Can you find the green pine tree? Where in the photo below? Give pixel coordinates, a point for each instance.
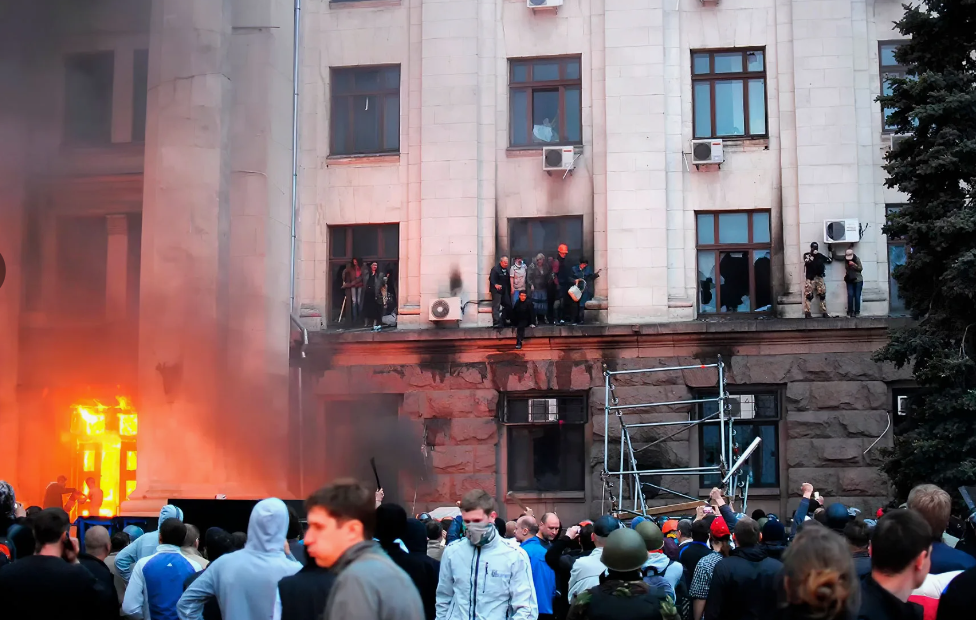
(935, 106)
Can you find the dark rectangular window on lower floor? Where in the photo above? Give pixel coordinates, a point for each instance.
(546, 442)
(755, 414)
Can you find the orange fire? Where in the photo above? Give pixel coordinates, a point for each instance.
(105, 442)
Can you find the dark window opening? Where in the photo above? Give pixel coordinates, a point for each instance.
(897, 256)
(545, 97)
(82, 257)
(88, 98)
(531, 236)
(729, 93)
(734, 262)
(546, 442)
(140, 94)
(366, 110)
(380, 243)
(756, 414)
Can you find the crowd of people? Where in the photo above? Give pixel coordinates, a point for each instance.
(552, 290)
(369, 295)
(362, 559)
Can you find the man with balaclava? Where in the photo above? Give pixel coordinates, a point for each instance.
(815, 269)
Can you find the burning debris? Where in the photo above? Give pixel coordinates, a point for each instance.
(105, 443)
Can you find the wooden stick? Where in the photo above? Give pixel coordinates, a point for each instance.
(660, 510)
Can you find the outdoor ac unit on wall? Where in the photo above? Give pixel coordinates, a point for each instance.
(895, 139)
(841, 231)
(705, 152)
(445, 309)
(559, 157)
(902, 405)
(543, 4)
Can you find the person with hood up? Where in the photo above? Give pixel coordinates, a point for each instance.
(145, 545)
(744, 584)
(483, 577)
(391, 527)
(657, 563)
(623, 594)
(157, 581)
(245, 582)
(774, 539)
(368, 585)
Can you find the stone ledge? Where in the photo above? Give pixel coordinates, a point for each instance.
(379, 159)
(363, 4)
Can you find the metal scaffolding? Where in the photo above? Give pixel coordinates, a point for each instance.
(728, 449)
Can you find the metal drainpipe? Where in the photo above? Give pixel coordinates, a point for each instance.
(294, 151)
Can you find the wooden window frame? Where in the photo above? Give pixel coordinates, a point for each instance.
(744, 76)
(885, 71)
(746, 390)
(379, 93)
(718, 248)
(530, 86)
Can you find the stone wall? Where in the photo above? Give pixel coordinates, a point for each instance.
(834, 401)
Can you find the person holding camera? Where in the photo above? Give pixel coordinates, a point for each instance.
(815, 268)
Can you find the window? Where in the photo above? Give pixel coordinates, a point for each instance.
(88, 80)
(889, 69)
(140, 92)
(897, 255)
(902, 400)
(380, 243)
(366, 110)
(734, 251)
(545, 436)
(729, 93)
(546, 101)
(755, 414)
(528, 237)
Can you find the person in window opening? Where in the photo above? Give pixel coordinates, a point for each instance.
(517, 273)
(388, 304)
(350, 311)
(522, 316)
(500, 285)
(854, 281)
(537, 279)
(815, 266)
(583, 279)
(94, 498)
(357, 288)
(372, 307)
(563, 276)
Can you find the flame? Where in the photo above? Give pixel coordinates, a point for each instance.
(99, 430)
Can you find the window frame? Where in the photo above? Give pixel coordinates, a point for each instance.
(778, 394)
(381, 95)
(718, 248)
(531, 86)
(382, 257)
(512, 459)
(744, 76)
(886, 71)
(894, 242)
(563, 220)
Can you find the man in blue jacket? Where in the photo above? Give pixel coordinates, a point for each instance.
(526, 530)
(145, 545)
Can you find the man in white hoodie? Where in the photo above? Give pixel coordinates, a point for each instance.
(246, 582)
(482, 576)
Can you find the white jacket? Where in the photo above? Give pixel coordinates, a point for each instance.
(586, 573)
(495, 579)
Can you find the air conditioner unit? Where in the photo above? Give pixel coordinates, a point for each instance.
(895, 139)
(902, 405)
(445, 309)
(543, 4)
(559, 157)
(841, 231)
(706, 152)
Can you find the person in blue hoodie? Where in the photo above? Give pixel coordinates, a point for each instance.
(246, 582)
(145, 545)
(543, 577)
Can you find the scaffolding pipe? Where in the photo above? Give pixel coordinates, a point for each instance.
(664, 404)
(668, 368)
(721, 413)
(670, 472)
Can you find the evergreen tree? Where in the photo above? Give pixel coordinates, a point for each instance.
(935, 167)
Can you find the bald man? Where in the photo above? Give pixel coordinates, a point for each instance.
(510, 527)
(98, 545)
(548, 529)
(526, 532)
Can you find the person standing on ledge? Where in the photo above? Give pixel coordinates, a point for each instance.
(815, 267)
(854, 281)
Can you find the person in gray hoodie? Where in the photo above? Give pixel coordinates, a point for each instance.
(145, 545)
(245, 582)
(368, 585)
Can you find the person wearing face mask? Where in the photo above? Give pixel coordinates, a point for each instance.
(815, 268)
(483, 577)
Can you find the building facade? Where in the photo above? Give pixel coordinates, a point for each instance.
(147, 229)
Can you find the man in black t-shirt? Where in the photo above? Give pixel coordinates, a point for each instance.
(815, 268)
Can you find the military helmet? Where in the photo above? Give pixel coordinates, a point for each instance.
(624, 551)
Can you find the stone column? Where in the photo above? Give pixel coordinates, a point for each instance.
(186, 220)
(116, 268)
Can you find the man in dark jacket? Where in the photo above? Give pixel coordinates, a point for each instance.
(98, 545)
(901, 548)
(391, 526)
(858, 537)
(561, 555)
(774, 539)
(523, 315)
(563, 270)
(500, 285)
(303, 596)
(49, 584)
(691, 551)
(744, 584)
(815, 268)
(219, 542)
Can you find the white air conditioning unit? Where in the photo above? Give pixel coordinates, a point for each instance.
(543, 4)
(895, 139)
(902, 405)
(705, 152)
(559, 157)
(445, 309)
(841, 231)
